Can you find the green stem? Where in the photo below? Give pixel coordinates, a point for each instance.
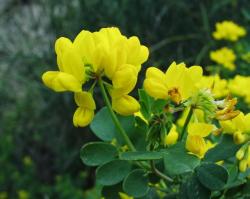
(189, 116)
(158, 173)
(114, 118)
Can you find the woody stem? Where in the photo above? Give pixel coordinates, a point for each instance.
(114, 117)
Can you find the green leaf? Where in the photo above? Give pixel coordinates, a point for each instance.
(97, 153)
(136, 183)
(104, 128)
(178, 161)
(222, 151)
(158, 106)
(112, 172)
(141, 155)
(212, 176)
(145, 102)
(192, 188)
(112, 192)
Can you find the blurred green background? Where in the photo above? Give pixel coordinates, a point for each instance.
(39, 147)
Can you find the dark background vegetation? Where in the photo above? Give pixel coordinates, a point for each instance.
(39, 147)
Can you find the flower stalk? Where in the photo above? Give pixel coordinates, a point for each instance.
(114, 118)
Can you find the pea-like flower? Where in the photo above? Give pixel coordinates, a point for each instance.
(178, 83)
(105, 55)
(228, 30)
(196, 142)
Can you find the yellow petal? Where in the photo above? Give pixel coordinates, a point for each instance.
(82, 117)
(200, 129)
(125, 105)
(195, 72)
(157, 75)
(61, 45)
(73, 64)
(59, 81)
(155, 89)
(85, 99)
(124, 80)
(172, 136)
(196, 145)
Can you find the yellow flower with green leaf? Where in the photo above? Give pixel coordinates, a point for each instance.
(177, 83)
(228, 30)
(224, 56)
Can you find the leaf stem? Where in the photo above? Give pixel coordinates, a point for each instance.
(158, 173)
(189, 116)
(114, 117)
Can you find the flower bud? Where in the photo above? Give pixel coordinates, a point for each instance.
(240, 154)
(243, 165)
(239, 137)
(172, 137)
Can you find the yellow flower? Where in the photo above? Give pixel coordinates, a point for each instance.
(124, 196)
(195, 142)
(91, 56)
(217, 85)
(178, 83)
(71, 74)
(172, 137)
(228, 30)
(224, 56)
(240, 86)
(108, 52)
(85, 112)
(239, 127)
(125, 105)
(22, 194)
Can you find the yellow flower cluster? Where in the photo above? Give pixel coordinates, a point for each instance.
(93, 55)
(225, 57)
(217, 85)
(228, 30)
(177, 83)
(240, 86)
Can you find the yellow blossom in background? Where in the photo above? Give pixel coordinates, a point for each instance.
(224, 56)
(239, 127)
(196, 142)
(178, 83)
(22, 194)
(240, 86)
(85, 111)
(217, 85)
(172, 136)
(228, 30)
(27, 161)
